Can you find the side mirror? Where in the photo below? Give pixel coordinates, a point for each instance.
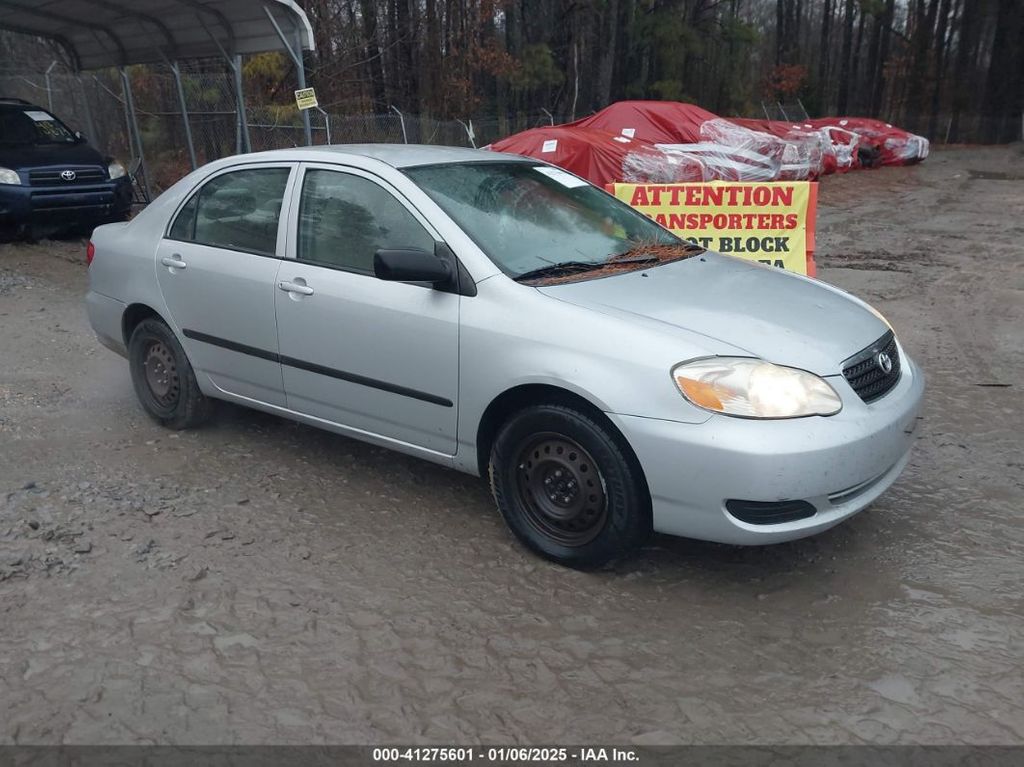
(79, 136)
(410, 265)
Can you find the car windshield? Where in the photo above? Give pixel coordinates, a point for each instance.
(33, 126)
(528, 217)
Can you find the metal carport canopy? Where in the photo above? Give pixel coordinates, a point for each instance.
(116, 33)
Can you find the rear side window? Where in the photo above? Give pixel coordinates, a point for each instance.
(239, 211)
(345, 219)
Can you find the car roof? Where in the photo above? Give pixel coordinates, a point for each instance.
(395, 155)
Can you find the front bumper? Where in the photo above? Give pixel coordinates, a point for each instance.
(87, 203)
(838, 464)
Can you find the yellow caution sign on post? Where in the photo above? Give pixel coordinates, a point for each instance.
(305, 98)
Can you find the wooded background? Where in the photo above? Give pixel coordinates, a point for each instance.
(950, 69)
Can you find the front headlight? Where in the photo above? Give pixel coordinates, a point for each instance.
(753, 388)
(8, 176)
(115, 170)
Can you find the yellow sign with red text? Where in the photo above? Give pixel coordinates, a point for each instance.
(768, 222)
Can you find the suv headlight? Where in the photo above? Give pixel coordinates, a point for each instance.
(115, 170)
(752, 388)
(8, 176)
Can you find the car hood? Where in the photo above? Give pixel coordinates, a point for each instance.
(25, 156)
(761, 310)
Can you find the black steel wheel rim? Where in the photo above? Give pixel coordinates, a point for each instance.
(161, 372)
(561, 489)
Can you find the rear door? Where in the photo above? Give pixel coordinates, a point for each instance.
(380, 357)
(217, 268)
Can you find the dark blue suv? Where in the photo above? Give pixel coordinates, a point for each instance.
(50, 176)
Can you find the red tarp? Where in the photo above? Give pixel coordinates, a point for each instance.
(659, 122)
(733, 152)
(668, 141)
(602, 157)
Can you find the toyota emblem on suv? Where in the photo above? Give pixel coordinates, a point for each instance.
(68, 175)
(884, 362)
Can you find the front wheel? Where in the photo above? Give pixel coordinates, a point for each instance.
(567, 487)
(163, 378)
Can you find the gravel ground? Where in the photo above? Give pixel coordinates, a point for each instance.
(258, 581)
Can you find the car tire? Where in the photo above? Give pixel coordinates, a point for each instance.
(569, 487)
(163, 377)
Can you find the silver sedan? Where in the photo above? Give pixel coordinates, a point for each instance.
(503, 317)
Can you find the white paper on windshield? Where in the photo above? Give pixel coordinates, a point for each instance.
(629, 132)
(567, 180)
(39, 117)
(549, 146)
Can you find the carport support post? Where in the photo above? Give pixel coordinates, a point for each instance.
(184, 114)
(243, 123)
(133, 124)
(300, 67)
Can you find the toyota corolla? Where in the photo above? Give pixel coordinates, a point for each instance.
(507, 319)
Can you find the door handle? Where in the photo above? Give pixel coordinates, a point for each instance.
(174, 262)
(292, 287)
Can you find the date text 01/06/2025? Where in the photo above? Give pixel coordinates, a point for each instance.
(503, 754)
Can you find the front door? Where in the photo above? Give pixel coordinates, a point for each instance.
(379, 357)
(217, 270)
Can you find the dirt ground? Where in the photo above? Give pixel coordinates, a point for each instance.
(258, 581)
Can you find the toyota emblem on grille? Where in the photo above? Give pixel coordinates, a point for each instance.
(68, 175)
(884, 362)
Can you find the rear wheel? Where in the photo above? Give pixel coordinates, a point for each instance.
(163, 378)
(568, 487)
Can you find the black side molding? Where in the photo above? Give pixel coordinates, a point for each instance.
(312, 367)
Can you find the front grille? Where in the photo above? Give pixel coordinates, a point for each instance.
(865, 372)
(52, 176)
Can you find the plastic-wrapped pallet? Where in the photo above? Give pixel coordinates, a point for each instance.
(727, 163)
(754, 145)
(659, 166)
(894, 146)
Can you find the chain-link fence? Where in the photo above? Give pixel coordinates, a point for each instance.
(96, 105)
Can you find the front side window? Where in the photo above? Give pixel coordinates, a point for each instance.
(527, 217)
(238, 210)
(344, 219)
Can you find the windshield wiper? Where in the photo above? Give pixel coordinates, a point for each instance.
(562, 267)
(578, 267)
(638, 260)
